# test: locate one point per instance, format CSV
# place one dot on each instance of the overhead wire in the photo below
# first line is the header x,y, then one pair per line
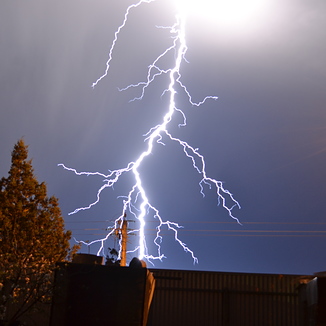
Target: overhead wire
x,y
220,232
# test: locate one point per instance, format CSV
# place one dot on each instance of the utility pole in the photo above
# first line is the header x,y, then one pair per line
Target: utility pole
x,y
121,232
124,236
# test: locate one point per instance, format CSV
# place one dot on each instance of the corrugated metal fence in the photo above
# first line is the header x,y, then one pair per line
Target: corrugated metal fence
x,y
224,299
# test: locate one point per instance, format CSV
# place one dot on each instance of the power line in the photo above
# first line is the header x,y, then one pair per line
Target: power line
x,y
240,231
213,222
233,233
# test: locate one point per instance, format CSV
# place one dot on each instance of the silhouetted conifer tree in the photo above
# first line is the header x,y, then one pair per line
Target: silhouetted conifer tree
x,y
32,239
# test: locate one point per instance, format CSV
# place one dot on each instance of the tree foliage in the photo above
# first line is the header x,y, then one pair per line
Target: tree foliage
x,y
112,258
32,239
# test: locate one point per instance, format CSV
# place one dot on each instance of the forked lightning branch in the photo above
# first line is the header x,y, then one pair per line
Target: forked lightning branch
x,y
136,202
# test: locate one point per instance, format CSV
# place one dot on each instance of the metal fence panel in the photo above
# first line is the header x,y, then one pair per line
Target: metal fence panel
x,y
224,299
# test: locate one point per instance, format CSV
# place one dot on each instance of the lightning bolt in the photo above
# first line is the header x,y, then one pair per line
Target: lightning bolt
x,y
136,201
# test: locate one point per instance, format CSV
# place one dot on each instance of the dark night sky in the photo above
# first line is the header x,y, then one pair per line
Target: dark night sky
x,y
265,137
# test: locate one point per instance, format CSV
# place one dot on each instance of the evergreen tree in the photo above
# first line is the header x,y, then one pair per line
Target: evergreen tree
x,y
32,239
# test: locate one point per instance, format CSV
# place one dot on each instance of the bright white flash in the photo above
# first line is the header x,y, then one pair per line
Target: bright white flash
x,y
232,14
136,201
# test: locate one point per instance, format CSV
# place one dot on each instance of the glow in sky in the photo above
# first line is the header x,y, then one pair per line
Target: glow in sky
x,y
232,13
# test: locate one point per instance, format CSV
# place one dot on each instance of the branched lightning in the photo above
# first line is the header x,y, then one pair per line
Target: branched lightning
x,y
136,201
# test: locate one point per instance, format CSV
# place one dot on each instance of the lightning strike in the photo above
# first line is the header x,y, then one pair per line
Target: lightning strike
x,y
136,201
